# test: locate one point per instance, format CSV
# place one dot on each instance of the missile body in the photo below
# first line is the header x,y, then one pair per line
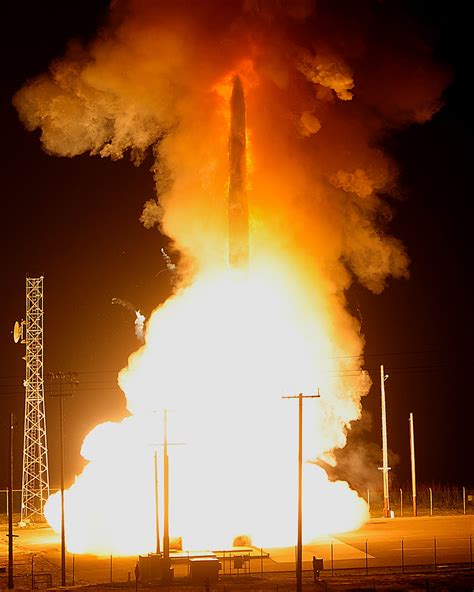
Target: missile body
x,y
238,212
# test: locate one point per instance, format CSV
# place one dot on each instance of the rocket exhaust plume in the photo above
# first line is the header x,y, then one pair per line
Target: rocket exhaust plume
x,y
238,211
324,81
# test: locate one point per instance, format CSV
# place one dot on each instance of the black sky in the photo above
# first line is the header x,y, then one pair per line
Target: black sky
x,y
75,221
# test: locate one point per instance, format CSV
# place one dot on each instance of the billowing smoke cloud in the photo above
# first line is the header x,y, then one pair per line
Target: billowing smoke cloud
x,y
359,462
323,82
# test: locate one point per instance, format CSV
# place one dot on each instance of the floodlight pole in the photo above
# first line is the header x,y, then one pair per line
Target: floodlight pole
x,y
63,527
385,468
299,555
412,456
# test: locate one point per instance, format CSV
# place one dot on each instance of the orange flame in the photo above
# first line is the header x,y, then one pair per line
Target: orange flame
x,y
220,355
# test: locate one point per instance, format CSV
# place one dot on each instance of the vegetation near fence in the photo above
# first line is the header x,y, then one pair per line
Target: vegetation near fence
x,y
431,499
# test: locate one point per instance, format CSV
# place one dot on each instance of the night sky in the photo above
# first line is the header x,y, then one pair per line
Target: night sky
x,y
76,221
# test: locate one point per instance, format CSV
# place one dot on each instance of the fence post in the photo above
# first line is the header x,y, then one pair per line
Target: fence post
x,y
332,558
464,500
111,569
403,557
431,502
470,551
366,557
261,562
434,552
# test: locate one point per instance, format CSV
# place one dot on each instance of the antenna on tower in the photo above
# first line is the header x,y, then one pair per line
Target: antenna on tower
x,y
35,480
18,331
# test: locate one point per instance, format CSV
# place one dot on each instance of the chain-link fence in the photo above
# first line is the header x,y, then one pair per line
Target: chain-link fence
x,y
431,500
339,556
434,500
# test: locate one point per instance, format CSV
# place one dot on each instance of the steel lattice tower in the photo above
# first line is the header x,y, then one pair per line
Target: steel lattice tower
x,y
35,483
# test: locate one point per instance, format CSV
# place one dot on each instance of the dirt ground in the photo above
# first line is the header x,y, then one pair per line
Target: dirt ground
x,y
42,545
448,581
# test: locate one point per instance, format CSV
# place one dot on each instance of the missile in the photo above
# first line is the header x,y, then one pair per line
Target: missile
x,y
238,211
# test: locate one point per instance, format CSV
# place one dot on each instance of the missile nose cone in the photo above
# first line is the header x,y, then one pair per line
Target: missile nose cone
x,y
237,108
237,199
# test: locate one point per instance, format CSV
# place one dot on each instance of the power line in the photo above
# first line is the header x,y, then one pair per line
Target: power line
x,y
369,369
110,385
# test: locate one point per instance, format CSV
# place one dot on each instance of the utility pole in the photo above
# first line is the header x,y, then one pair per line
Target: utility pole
x,y
157,521
72,381
10,509
166,538
412,455
299,555
385,468
167,571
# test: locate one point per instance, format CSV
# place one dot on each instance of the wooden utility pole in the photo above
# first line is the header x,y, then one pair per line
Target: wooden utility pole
x,y
167,574
167,571
299,555
157,520
71,381
10,508
412,455
385,468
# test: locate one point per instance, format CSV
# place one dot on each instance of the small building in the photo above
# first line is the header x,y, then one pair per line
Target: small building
x,y
204,569
150,568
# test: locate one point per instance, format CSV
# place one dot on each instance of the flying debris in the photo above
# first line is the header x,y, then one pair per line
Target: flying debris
x,y
170,266
238,212
125,303
140,325
139,318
